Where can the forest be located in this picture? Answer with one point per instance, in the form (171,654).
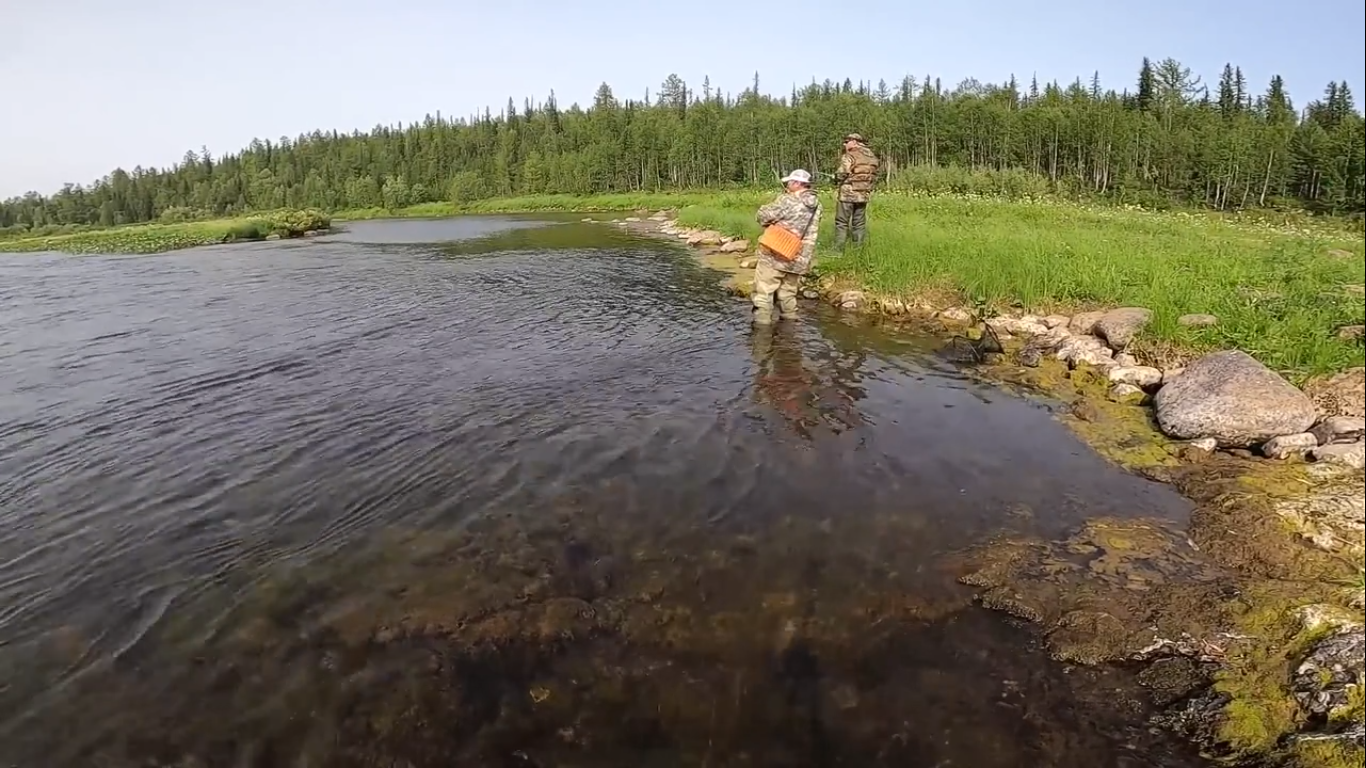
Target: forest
(1166,138)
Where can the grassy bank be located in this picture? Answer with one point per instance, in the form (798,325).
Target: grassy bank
(1280,290)
(157,238)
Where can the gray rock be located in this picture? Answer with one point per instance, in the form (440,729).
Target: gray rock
(632,219)
(735,246)
(1135,375)
(1125,359)
(1339,429)
(1057,321)
(273,236)
(1322,682)
(1170,374)
(1197,321)
(1352,455)
(1028,325)
(660,216)
(1084,322)
(1285,446)
(1342,394)
(1234,399)
(1127,393)
(1084,350)
(807,293)
(1030,357)
(1118,327)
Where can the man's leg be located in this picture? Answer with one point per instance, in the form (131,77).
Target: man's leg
(859,222)
(842,210)
(766,283)
(787,295)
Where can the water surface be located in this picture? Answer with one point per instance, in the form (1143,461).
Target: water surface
(512,491)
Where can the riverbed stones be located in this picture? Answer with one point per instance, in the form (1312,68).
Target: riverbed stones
(1084,350)
(1057,321)
(1339,429)
(1027,325)
(735,246)
(1136,375)
(1342,394)
(1197,321)
(1285,446)
(1125,359)
(1118,327)
(705,237)
(1084,323)
(1234,399)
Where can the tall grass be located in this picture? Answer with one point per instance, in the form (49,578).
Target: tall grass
(1279,290)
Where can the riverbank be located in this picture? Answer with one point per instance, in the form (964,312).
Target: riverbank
(159,238)
(1248,623)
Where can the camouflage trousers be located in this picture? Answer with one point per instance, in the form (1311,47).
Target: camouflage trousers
(769,281)
(850,218)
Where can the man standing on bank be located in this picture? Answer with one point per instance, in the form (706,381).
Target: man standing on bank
(786,248)
(856,174)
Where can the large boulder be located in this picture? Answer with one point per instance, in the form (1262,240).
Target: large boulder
(1118,327)
(1234,399)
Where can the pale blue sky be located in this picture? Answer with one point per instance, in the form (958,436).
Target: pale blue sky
(89,85)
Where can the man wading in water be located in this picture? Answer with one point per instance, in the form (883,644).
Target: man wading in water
(856,174)
(786,248)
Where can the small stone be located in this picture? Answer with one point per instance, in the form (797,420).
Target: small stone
(631,219)
(705,237)
(586,221)
(1083,323)
(735,246)
(748,263)
(1125,359)
(1118,327)
(273,236)
(1351,332)
(955,315)
(660,216)
(1206,444)
(1084,350)
(807,293)
(1197,321)
(1027,325)
(1285,446)
(851,299)
(1137,375)
(1339,429)
(1126,393)
(1352,455)
(1057,321)
(1030,357)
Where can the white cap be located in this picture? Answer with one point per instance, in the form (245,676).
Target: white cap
(797,175)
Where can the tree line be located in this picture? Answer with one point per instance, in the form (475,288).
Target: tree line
(1168,139)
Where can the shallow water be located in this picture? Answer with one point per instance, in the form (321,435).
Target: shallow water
(512,491)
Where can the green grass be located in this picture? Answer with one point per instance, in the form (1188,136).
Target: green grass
(1280,289)
(157,238)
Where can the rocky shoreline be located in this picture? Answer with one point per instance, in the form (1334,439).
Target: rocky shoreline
(1249,624)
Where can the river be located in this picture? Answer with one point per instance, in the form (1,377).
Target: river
(513,491)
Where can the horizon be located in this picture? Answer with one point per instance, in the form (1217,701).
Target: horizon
(269,89)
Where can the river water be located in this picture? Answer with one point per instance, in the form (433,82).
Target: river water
(513,491)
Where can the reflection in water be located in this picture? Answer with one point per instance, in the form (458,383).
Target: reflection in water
(354,502)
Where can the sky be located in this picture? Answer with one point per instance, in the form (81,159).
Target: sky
(91,85)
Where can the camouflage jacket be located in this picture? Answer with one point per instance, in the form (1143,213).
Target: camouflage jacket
(856,174)
(793,212)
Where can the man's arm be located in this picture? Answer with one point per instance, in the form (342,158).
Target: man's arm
(846,168)
(770,213)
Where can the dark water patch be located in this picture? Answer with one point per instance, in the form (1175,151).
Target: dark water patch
(408,494)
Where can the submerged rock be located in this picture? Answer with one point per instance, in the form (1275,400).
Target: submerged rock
(850,299)
(1118,327)
(1234,399)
